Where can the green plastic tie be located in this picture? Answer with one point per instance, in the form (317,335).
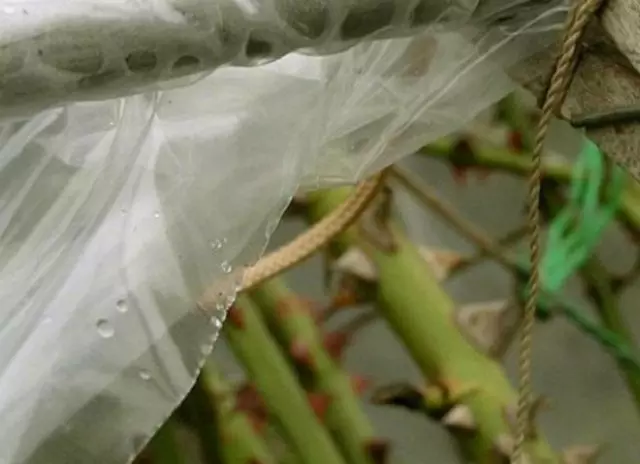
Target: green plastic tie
(576,231)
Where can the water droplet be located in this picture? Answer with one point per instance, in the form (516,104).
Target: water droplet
(220,306)
(204,349)
(105,329)
(216,244)
(216,322)
(121,306)
(144,374)
(226,267)
(156,214)
(124,211)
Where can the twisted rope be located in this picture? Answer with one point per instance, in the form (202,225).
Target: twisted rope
(579,16)
(316,237)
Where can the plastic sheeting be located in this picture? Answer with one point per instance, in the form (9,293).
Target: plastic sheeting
(117,214)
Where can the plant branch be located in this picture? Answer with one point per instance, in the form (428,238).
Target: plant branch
(600,289)
(297,332)
(286,401)
(241,443)
(422,315)
(617,346)
(501,159)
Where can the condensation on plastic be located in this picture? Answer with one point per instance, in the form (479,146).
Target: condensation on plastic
(116,215)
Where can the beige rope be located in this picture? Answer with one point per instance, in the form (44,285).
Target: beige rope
(316,237)
(581,13)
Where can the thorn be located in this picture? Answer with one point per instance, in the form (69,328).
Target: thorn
(378,450)
(359,384)
(459,175)
(400,394)
(504,445)
(356,263)
(581,454)
(515,141)
(249,402)
(436,399)
(248,399)
(319,403)
(460,417)
(300,352)
(489,326)
(454,392)
(462,154)
(335,343)
(235,317)
(345,296)
(441,262)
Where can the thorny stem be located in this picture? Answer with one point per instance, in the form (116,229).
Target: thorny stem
(422,315)
(252,344)
(502,159)
(610,341)
(294,327)
(241,443)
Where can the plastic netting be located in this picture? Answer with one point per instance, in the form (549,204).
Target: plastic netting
(138,168)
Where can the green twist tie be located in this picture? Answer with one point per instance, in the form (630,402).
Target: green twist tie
(578,228)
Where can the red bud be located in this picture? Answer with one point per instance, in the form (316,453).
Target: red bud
(515,141)
(359,384)
(378,450)
(235,317)
(319,403)
(335,344)
(299,351)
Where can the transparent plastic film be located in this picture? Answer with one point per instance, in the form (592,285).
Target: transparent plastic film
(126,200)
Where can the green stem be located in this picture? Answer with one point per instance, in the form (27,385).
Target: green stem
(501,159)
(241,443)
(291,323)
(265,364)
(599,286)
(521,268)
(421,314)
